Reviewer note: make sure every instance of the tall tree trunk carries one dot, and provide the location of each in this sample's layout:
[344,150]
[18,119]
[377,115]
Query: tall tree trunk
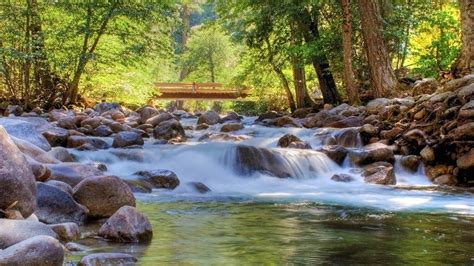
[465,62]
[349,79]
[382,77]
[309,28]
[42,74]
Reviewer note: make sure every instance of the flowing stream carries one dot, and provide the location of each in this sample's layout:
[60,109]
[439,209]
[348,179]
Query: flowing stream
[254,218]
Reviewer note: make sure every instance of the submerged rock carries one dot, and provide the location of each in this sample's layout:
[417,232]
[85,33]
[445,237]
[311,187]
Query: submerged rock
[342,178]
[107,259]
[127,225]
[199,187]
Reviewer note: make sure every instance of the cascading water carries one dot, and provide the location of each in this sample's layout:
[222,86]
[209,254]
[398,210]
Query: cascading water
[254,168]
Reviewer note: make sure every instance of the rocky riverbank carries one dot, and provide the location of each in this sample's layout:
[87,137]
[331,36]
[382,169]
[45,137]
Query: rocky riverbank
[46,195]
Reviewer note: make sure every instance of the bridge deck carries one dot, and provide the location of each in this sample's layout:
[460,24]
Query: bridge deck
[214,91]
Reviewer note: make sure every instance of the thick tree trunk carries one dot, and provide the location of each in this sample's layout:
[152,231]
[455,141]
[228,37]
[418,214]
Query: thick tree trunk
[382,77]
[309,28]
[465,62]
[42,74]
[349,79]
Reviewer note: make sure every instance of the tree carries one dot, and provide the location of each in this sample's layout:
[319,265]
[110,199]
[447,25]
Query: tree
[210,55]
[382,77]
[465,62]
[349,79]
[307,17]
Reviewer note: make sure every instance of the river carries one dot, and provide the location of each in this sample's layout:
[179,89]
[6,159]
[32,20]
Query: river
[308,219]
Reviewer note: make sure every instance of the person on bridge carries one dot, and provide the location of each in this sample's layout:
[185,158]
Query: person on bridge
[194,87]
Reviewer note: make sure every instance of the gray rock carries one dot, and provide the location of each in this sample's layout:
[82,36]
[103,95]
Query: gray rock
[127,138]
[17,182]
[57,206]
[39,250]
[159,178]
[26,131]
[103,195]
[127,225]
[15,231]
[209,117]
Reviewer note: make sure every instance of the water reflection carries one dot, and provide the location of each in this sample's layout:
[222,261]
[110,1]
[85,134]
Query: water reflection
[248,232]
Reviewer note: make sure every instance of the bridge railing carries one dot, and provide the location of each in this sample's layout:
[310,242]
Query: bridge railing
[210,90]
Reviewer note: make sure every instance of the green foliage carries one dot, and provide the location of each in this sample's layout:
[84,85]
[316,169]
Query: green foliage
[210,56]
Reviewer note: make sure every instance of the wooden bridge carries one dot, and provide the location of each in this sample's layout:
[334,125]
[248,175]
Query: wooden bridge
[203,91]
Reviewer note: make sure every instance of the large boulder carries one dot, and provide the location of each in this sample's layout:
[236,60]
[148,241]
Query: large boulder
[103,195]
[351,121]
[107,259]
[39,250]
[57,206]
[15,231]
[380,173]
[371,153]
[159,178]
[127,225]
[25,131]
[127,138]
[17,182]
[169,129]
[209,117]
[248,160]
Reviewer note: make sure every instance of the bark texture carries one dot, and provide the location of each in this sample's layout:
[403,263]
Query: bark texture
[352,92]
[382,77]
[465,63]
